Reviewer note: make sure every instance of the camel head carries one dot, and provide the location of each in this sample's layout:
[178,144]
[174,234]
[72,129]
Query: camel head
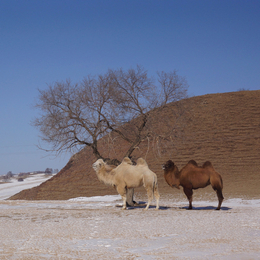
[104,172]
[169,166]
[171,174]
[98,165]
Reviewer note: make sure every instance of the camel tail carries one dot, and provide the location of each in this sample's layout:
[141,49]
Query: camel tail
[156,191]
[154,183]
[221,181]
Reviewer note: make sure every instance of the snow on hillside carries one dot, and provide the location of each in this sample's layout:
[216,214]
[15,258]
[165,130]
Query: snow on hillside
[10,188]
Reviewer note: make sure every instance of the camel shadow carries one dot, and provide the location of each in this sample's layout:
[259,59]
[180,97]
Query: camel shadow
[142,205]
[205,208]
[150,207]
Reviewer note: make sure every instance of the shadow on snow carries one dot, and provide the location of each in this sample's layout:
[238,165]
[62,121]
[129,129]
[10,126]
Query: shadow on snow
[142,205]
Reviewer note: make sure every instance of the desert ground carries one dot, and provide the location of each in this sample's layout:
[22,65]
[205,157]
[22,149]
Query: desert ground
[97,228]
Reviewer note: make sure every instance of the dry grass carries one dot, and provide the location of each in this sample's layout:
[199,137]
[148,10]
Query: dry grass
[222,128]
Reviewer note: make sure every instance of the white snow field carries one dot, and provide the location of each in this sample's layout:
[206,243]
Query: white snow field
[97,228]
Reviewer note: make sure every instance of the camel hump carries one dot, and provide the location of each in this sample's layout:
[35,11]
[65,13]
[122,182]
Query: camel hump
[127,160]
[193,163]
[207,164]
[141,161]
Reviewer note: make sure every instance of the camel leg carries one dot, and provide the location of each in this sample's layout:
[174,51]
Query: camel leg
[157,196]
[122,191]
[220,198]
[218,189]
[188,192]
[150,197]
[130,197]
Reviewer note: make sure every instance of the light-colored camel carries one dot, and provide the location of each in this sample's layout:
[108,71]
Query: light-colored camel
[192,177]
[126,176]
[129,192]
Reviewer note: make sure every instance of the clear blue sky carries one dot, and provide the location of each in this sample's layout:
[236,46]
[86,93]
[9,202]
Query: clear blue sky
[214,44]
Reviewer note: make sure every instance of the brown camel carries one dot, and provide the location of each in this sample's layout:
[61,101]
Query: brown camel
[192,177]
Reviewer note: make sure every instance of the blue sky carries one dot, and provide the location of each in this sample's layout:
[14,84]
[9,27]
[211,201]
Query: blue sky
[214,44]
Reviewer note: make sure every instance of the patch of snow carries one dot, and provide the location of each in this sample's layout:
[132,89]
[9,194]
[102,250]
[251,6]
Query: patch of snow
[97,228]
[98,198]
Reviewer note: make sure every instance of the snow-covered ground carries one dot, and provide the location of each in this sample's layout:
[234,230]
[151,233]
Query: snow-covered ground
[97,228]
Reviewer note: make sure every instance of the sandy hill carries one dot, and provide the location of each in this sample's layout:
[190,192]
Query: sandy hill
[222,128]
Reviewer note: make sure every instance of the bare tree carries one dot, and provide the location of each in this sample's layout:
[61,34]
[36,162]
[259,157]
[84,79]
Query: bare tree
[138,96]
[9,175]
[49,171]
[71,114]
[119,102]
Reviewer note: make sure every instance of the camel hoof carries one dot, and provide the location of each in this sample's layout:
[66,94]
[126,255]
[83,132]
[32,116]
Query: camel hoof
[217,208]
